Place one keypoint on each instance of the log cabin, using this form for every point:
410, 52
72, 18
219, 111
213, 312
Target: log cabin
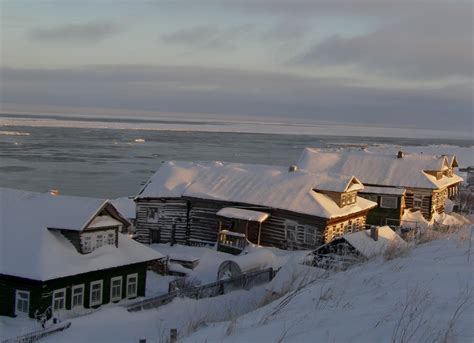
191, 203
61, 255
418, 182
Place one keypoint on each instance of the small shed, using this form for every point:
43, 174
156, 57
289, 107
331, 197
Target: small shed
355, 247
258, 260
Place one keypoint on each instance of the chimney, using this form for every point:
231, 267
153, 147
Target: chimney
400, 154
374, 233
292, 169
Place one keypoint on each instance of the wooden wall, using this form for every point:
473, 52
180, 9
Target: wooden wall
41, 293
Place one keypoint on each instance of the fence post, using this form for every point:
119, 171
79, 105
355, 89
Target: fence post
173, 335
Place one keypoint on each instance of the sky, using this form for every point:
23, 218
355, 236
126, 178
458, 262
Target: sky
352, 62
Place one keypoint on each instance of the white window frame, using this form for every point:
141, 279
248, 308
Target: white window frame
119, 297
55, 292
98, 302
155, 219
415, 199
384, 198
87, 245
73, 295
132, 295
291, 231
99, 239
27, 300
309, 231
111, 238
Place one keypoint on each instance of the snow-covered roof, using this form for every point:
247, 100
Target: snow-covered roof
375, 168
368, 247
384, 190
269, 186
238, 213
28, 249
125, 206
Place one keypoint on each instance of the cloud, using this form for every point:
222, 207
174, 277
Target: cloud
87, 32
286, 31
435, 44
209, 36
220, 91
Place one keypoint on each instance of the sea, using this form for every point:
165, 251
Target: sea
114, 158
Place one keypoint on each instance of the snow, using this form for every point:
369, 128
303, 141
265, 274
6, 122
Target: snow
125, 206
368, 247
362, 304
30, 250
383, 190
238, 213
260, 185
257, 260
232, 233
414, 220
376, 168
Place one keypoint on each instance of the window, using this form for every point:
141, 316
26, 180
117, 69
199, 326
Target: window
111, 239
99, 241
116, 288
59, 299
22, 300
417, 202
388, 202
77, 296
87, 245
309, 234
353, 198
371, 197
152, 215
132, 281
343, 199
96, 293
290, 231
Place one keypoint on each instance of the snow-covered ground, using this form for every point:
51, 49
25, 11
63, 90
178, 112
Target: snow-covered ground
423, 295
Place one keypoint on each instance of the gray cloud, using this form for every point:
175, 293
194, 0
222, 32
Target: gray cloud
286, 31
209, 36
87, 32
435, 44
239, 92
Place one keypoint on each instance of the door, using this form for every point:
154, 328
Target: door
155, 236
22, 303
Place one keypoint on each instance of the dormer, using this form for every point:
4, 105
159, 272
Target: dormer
343, 192
100, 230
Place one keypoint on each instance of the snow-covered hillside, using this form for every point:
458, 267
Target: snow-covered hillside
423, 295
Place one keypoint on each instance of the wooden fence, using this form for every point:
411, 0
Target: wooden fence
244, 281
37, 335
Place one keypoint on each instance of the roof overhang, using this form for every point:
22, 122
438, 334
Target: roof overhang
241, 214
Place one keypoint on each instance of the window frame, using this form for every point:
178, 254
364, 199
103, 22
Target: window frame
61, 290
112, 298
294, 231
99, 238
18, 312
73, 288
87, 244
91, 292
110, 238
129, 276
415, 199
155, 219
388, 197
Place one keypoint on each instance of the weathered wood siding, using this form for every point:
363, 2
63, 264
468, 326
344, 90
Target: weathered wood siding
41, 293
170, 212
426, 195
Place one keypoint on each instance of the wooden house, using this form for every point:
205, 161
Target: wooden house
342, 252
60, 255
418, 182
190, 203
